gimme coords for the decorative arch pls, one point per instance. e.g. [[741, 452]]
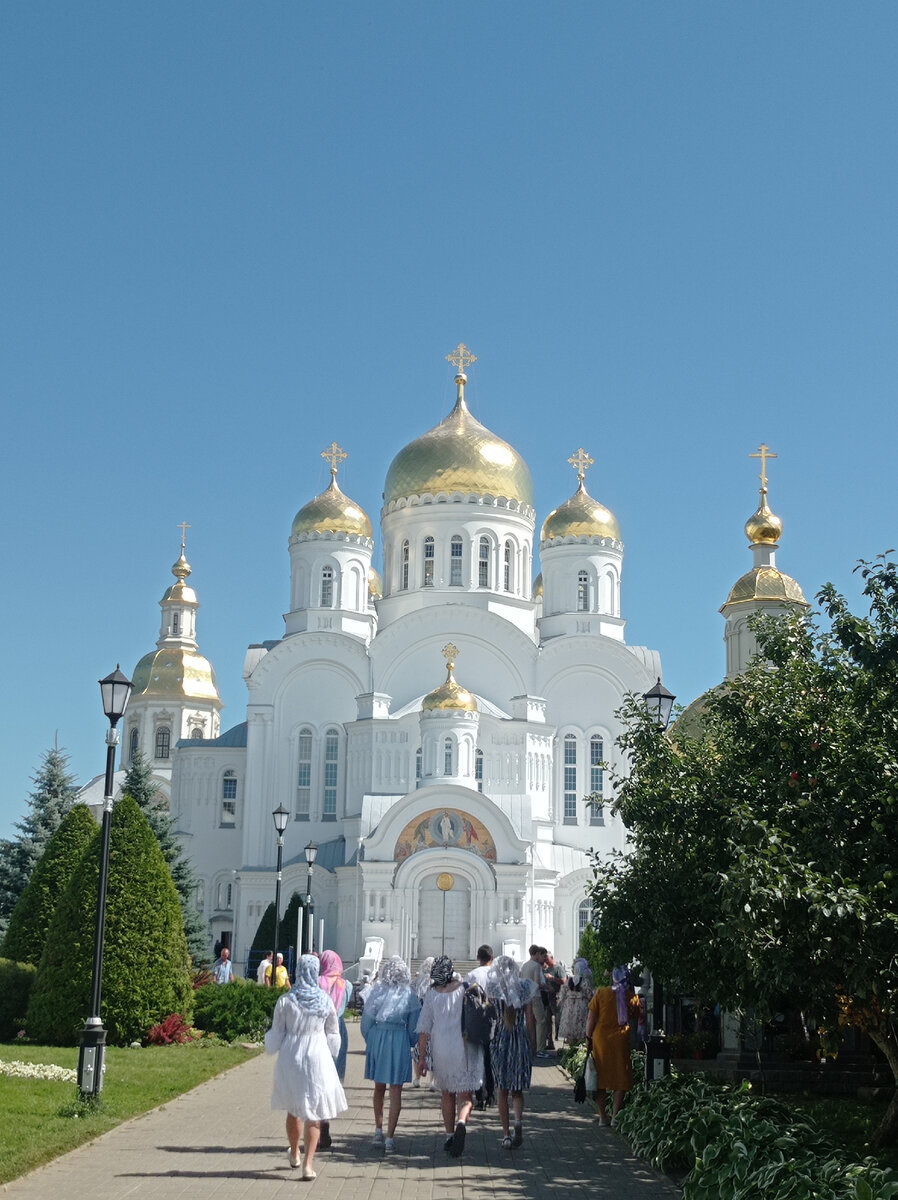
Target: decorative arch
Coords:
[[443, 829]]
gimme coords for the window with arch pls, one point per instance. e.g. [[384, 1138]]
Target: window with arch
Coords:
[[331, 764], [455, 560], [229, 798], [582, 592], [163, 742], [596, 777], [509, 564], [199, 897], [327, 587], [133, 744], [584, 917], [225, 894], [419, 765], [570, 779], [303, 775], [196, 732], [483, 563], [176, 624], [403, 575], [447, 757], [478, 769], [428, 561]]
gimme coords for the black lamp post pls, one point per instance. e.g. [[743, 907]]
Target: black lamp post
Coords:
[[309, 940], [115, 690], [281, 817], [659, 705]]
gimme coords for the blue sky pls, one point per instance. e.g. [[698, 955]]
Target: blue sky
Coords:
[[235, 232]]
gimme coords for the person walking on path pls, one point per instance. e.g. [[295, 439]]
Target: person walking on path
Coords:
[[514, 1041], [277, 974], [422, 987], [457, 1063], [533, 970], [263, 969], [330, 980], [388, 1027], [305, 1035], [573, 1002], [608, 1027], [223, 969]]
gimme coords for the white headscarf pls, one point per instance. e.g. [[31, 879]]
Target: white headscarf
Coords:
[[392, 995], [422, 982], [306, 992], [504, 983]]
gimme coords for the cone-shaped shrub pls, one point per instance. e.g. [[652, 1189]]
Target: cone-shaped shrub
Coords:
[[30, 921], [264, 939], [146, 967]]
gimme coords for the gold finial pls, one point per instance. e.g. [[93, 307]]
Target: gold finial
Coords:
[[461, 357], [763, 453], [334, 455], [183, 527], [450, 653], [581, 462]]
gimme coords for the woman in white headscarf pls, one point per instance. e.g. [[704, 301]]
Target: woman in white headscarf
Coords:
[[573, 1001], [388, 1027], [514, 1041], [305, 1035]]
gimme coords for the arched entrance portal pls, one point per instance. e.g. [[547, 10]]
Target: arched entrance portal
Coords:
[[444, 915]]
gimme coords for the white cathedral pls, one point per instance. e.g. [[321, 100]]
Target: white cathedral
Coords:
[[433, 733]]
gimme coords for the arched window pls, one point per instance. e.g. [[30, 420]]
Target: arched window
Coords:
[[570, 779], [428, 561], [304, 775], [483, 563], [419, 764], [224, 895], [583, 592], [403, 582], [447, 757], [176, 624], [229, 798], [478, 769], [509, 563], [196, 732], [455, 561], [327, 587], [331, 753], [199, 898], [584, 917], [163, 742], [133, 745], [596, 777]]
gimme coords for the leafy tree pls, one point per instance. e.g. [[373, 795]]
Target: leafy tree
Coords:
[[146, 966], [763, 850], [30, 921], [139, 783], [53, 796]]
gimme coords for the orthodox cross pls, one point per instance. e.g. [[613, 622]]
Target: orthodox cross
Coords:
[[763, 453], [183, 527], [334, 455], [450, 653], [461, 357], [581, 461]]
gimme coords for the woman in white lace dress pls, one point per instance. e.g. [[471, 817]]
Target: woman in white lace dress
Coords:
[[305, 1035], [457, 1064]]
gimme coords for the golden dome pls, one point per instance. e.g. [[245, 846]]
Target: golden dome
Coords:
[[449, 695], [175, 673], [581, 516], [332, 512], [764, 528], [180, 591], [375, 584], [766, 583], [537, 587], [459, 455]]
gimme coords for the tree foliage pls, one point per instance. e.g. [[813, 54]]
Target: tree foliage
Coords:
[[30, 920], [264, 939], [146, 967], [763, 851], [53, 795], [138, 783]]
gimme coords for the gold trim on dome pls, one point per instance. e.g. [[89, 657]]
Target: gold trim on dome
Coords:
[[331, 511], [581, 516], [766, 583], [175, 673], [450, 695]]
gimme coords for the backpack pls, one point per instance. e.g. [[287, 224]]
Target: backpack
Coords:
[[477, 1016]]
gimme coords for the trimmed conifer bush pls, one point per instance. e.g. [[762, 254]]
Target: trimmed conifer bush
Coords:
[[16, 980], [264, 939], [146, 966], [30, 920]]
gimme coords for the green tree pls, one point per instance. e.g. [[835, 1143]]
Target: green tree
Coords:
[[762, 862], [146, 966], [53, 795], [138, 782], [264, 939], [30, 920]]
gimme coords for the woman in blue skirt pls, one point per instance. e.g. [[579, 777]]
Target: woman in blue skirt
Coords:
[[389, 1021], [514, 1041]]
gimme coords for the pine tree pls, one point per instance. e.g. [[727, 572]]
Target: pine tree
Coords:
[[30, 920], [54, 794], [264, 939], [138, 783], [146, 966]]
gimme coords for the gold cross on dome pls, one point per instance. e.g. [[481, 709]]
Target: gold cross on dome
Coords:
[[461, 357], [450, 653], [334, 456], [183, 527], [581, 461], [763, 453]]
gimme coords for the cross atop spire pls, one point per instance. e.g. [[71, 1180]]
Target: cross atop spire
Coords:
[[763, 453], [461, 357], [183, 527], [450, 653], [581, 462], [334, 455]]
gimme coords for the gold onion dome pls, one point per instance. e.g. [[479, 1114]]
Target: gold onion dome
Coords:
[[538, 586], [180, 590], [459, 455], [581, 516], [764, 528], [375, 584], [449, 695], [176, 673], [332, 511], [766, 583]]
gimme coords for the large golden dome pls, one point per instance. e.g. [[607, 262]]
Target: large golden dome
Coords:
[[766, 583], [332, 512], [175, 673], [449, 695], [581, 516]]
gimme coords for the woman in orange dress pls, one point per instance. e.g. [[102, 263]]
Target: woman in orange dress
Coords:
[[608, 1031]]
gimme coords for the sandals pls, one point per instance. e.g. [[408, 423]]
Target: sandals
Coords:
[[506, 1142]]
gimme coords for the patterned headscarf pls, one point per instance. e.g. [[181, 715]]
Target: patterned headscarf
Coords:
[[306, 992], [504, 982], [330, 977], [422, 982], [392, 995], [581, 973], [442, 971], [622, 984]]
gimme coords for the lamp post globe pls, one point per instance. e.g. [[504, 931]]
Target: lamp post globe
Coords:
[[310, 852], [280, 816]]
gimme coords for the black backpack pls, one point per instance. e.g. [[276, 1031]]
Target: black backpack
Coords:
[[477, 1016]]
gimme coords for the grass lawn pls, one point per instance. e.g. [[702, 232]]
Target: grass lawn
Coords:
[[43, 1119]]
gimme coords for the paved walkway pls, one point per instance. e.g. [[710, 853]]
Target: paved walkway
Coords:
[[222, 1142]]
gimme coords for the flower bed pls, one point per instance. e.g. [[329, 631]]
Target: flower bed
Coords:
[[24, 1070]]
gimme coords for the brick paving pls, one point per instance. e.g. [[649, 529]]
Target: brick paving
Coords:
[[222, 1142]]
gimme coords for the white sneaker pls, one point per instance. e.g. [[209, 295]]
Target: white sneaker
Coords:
[[416, 1082], [378, 1138], [389, 1146]]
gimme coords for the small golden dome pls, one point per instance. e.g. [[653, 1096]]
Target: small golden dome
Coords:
[[766, 583], [538, 587], [180, 591], [332, 512], [175, 673], [449, 695], [581, 516], [375, 584], [764, 528]]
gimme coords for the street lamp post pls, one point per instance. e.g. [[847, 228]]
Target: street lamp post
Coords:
[[115, 690], [309, 940], [659, 705], [281, 817]]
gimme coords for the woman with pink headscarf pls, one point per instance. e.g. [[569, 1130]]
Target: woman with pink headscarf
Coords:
[[330, 980]]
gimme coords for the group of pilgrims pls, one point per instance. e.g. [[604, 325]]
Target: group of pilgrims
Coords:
[[412, 1029]]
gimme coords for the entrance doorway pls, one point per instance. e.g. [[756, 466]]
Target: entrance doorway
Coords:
[[444, 917]]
